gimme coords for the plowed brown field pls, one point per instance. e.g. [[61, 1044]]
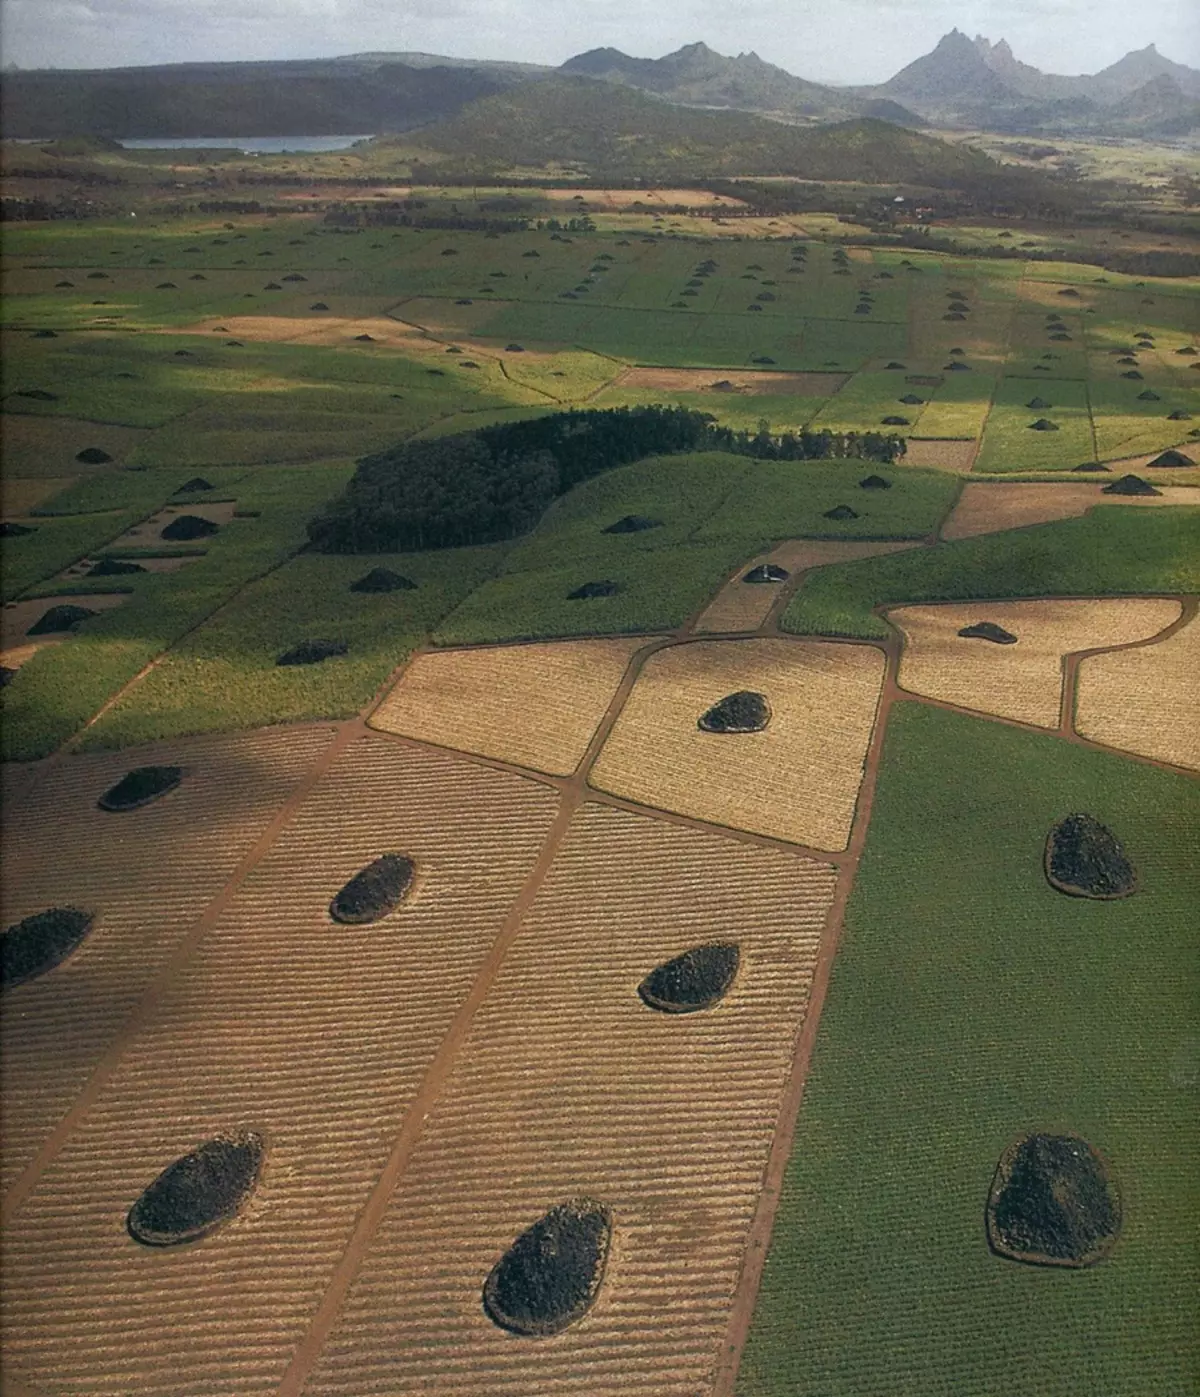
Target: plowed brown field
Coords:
[[147, 874], [568, 1085], [988, 509], [316, 1034], [1146, 700], [943, 455], [532, 705], [797, 780], [1022, 681]]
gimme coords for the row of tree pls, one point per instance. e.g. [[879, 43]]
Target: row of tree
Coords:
[[497, 482]]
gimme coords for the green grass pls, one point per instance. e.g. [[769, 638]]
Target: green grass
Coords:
[[1109, 552], [970, 1003], [1010, 443], [56, 544]]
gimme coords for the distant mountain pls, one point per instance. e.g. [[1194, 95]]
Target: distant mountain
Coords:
[[234, 99], [698, 76], [1160, 107], [952, 80], [1141, 66], [613, 130]]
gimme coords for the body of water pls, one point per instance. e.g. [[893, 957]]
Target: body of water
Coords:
[[251, 145]]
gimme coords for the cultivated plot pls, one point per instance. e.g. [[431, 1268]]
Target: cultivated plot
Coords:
[[991, 508], [570, 1085], [1145, 700], [796, 780], [533, 705], [313, 1033], [1016, 671]]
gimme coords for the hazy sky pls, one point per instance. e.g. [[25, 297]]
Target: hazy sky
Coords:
[[848, 41]]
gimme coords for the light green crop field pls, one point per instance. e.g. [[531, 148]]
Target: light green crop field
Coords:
[[971, 1003]]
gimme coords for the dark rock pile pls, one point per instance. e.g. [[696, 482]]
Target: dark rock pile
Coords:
[[743, 711], [59, 618], [114, 567], [1052, 1203], [589, 590], [1171, 458], [312, 652], [383, 580], [697, 979], [1131, 485], [841, 511], [186, 527], [93, 456], [193, 486], [38, 943], [633, 524], [767, 572], [988, 630], [374, 891], [550, 1276], [140, 786], [199, 1191], [1085, 859], [874, 482]]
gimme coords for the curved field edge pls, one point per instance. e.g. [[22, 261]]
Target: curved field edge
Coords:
[[971, 1002], [1109, 552]]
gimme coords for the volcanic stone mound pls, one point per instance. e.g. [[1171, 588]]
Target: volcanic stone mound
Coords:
[[114, 567], [767, 572], [11, 529], [911, 400], [1131, 485], [318, 305], [1178, 416], [895, 365], [1090, 466], [383, 580], [40, 395], [1043, 424], [194, 486], [7, 675], [93, 456], [1052, 1203], [1172, 458], [1038, 404], [374, 891], [199, 1191], [593, 589], [895, 421], [188, 526], [841, 511], [633, 524], [1133, 374], [957, 367], [312, 652], [744, 711], [30, 947], [697, 979], [552, 1273], [1149, 396], [59, 618], [874, 482], [988, 630], [1085, 859], [140, 786]]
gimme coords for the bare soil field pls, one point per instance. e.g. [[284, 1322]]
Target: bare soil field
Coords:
[[147, 875], [316, 1035], [1145, 700], [623, 198], [945, 455], [17, 616], [532, 705], [1022, 681], [991, 508], [570, 1085], [797, 780], [743, 606], [802, 385]]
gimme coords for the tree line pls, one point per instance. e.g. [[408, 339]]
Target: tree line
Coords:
[[497, 482]]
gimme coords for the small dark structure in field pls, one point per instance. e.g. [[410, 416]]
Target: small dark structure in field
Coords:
[[186, 527], [744, 711], [1149, 396], [199, 1191], [1126, 359], [863, 309], [514, 349], [38, 943], [114, 567], [365, 339], [58, 619], [767, 572], [1090, 466], [841, 511], [1043, 424], [193, 486], [374, 891], [39, 395], [295, 276], [1038, 404], [7, 676], [1069, 291], [695, 980], [895, 421], [1132, 374], [69, 285], [98, 276], [551, 1274], [1052, 1203], [911, 400], [593, 589], [313, 652], [383, 580], [1131, 485], [11, 529], [988, 630], [874, 482], [956, 366], [166, 286], [197, 276], [1085, 859], [318, 305], [1061, 335], [633, 524], [1179, 416], [272, 286], [895, 365], [462, 301], [140, 786], [1188, 349], [93, 456], [1171, 458]]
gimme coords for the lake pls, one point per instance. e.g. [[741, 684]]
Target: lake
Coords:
[[252, 145]]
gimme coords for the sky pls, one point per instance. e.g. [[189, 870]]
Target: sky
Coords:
[[838, 41]]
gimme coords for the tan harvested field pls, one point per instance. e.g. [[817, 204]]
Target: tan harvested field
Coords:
[[797, 780], [46, 446], [316, 1034], [1022, 681], [743, 606], [652, 198], [990, 508], [532, 705], [312, 329], [945, 455], [569, 1085], [802, 385], [1146, 700], [147, 874], [1163, 475], [149, 533], [16, 617]]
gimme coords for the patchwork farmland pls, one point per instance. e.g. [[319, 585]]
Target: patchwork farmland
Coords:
[[711, 707]]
